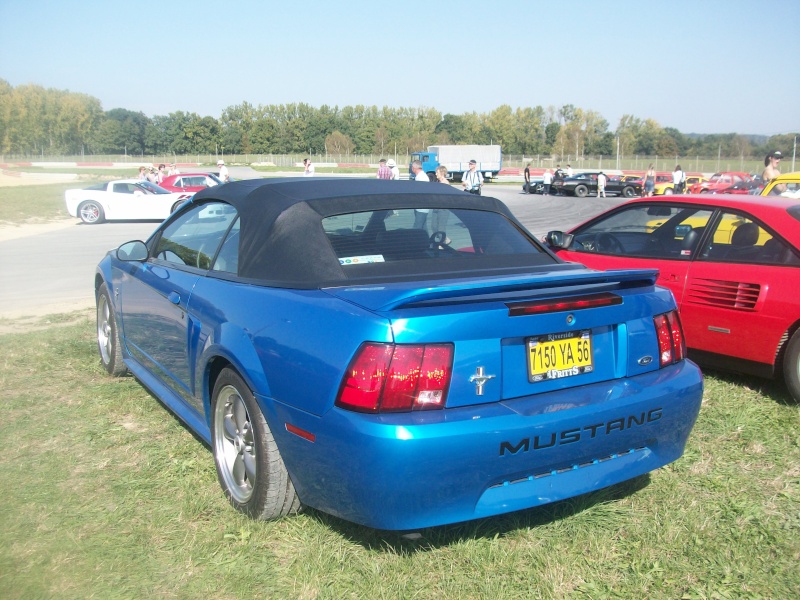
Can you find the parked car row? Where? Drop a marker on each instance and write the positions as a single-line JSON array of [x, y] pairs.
[[418, 358], [132, 199]]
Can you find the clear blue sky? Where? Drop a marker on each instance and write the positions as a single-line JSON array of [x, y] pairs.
[[701, 66]]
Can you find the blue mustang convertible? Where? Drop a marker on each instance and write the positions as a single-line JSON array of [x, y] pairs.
[[399, 354]]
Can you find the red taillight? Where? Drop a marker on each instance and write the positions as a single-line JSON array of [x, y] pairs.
[[671, 345], [397, 378]]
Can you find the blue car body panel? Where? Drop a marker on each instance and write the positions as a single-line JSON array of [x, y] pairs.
[[512, 445]]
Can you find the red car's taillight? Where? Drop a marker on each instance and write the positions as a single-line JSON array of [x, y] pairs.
[[671, 345], [397, 378]]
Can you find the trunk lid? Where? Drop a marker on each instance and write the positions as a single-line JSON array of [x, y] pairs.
[[520, 335]]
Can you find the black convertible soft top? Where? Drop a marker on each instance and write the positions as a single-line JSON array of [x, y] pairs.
[[282, 240]]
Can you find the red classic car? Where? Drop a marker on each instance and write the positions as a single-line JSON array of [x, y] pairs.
[[719, 182], [190, 182], [732, 262]]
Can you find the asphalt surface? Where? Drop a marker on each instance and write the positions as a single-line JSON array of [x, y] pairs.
[[52, 271]]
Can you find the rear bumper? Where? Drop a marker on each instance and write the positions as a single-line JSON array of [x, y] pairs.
[[424, 469]]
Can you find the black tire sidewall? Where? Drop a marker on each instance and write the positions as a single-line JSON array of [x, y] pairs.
[[115, 365], [791, 366], [270, 498]]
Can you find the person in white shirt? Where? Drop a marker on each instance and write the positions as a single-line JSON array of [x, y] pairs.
[[547, 181], [678, 179], [472, 179], [309, 168], [394, 168], [420, 214], [601, 184], [224, 177]]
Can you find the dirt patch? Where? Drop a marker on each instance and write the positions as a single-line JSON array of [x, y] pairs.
[[30, 323], [13, 178], [10, 231]]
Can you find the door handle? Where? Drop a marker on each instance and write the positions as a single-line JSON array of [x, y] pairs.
[[174, 297]]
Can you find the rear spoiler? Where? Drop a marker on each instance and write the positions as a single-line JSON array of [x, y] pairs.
[[548, 284]]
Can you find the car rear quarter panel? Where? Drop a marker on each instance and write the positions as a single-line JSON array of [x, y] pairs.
[[292, 345]]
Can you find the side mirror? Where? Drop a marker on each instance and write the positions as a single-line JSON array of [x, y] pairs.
[[134, 251], [559, 239]]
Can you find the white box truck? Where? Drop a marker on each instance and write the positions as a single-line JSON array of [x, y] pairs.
[[456, 159]]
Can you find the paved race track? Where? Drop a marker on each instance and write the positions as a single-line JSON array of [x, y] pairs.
[[53, 271]]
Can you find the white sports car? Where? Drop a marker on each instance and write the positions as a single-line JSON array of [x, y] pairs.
[[123, 199]]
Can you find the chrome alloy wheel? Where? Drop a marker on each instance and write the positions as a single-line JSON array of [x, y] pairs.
[[90, 212], [105, 341], [234, 444]]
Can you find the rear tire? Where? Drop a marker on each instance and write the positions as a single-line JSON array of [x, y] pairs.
[[176, 206], [581, 191], [791, 366], [108, 335], [249, 466], [668, 192], [91, 212]]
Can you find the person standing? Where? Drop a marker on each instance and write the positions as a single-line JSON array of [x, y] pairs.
[[440, 215], [527, 175], [308, 168], [650, 180], [771, 164], [547, 181], [601, 184], [393, 168], [678, 180], [569, 171], [224, 176], [417, 173], [420, 214], [143, 173], [472, 179], [384, 172]]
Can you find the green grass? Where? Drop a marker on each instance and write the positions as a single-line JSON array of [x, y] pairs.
[[107, 495], [34, 203]]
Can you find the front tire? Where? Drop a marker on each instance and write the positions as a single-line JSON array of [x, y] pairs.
[[791, 366], [628, 192], [108, 335], [249, 466], [91, 212], [668, 192]]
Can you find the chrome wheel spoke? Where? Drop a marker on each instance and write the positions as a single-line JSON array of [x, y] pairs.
[[249, 461]]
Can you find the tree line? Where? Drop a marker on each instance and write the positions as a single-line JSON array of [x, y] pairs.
[[35, 121]]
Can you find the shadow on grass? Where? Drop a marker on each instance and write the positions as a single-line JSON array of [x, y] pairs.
[[774, 389], [432, 538]]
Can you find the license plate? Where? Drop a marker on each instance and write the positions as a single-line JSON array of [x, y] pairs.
[[557, 355]]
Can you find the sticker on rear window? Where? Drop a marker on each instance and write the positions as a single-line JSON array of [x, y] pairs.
[[361, 260]]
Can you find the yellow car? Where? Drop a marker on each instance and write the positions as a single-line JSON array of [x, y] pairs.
[[665, 188], [722, 235], [787, 185]]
